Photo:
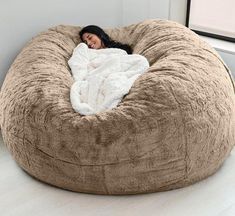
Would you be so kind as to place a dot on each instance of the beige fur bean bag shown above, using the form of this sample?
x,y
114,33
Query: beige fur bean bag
x,y
175,127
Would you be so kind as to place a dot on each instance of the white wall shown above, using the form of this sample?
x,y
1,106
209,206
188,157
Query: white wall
x,y
177,11
229,59
138,10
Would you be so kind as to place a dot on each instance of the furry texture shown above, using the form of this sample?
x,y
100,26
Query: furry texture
x,y
102,77
175,127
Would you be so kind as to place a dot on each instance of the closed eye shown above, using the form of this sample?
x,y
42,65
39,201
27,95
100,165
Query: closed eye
x,y
88,38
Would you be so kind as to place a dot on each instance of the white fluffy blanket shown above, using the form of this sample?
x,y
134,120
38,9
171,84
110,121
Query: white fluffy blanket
x,y
102,77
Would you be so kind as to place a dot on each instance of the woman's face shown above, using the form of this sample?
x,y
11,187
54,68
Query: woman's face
x,y
92,41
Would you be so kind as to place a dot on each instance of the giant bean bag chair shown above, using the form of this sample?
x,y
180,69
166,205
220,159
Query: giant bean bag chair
x,y
175,127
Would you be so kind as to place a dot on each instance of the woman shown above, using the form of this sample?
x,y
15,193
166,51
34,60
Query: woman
x,y
102,76
96,38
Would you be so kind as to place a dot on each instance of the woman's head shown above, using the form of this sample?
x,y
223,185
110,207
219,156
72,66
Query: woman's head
x,y
94,37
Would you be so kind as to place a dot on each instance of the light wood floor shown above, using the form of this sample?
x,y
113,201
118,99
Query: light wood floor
x,y
21,195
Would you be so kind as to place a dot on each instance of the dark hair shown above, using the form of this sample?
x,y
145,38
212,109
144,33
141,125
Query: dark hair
x,y
107,41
